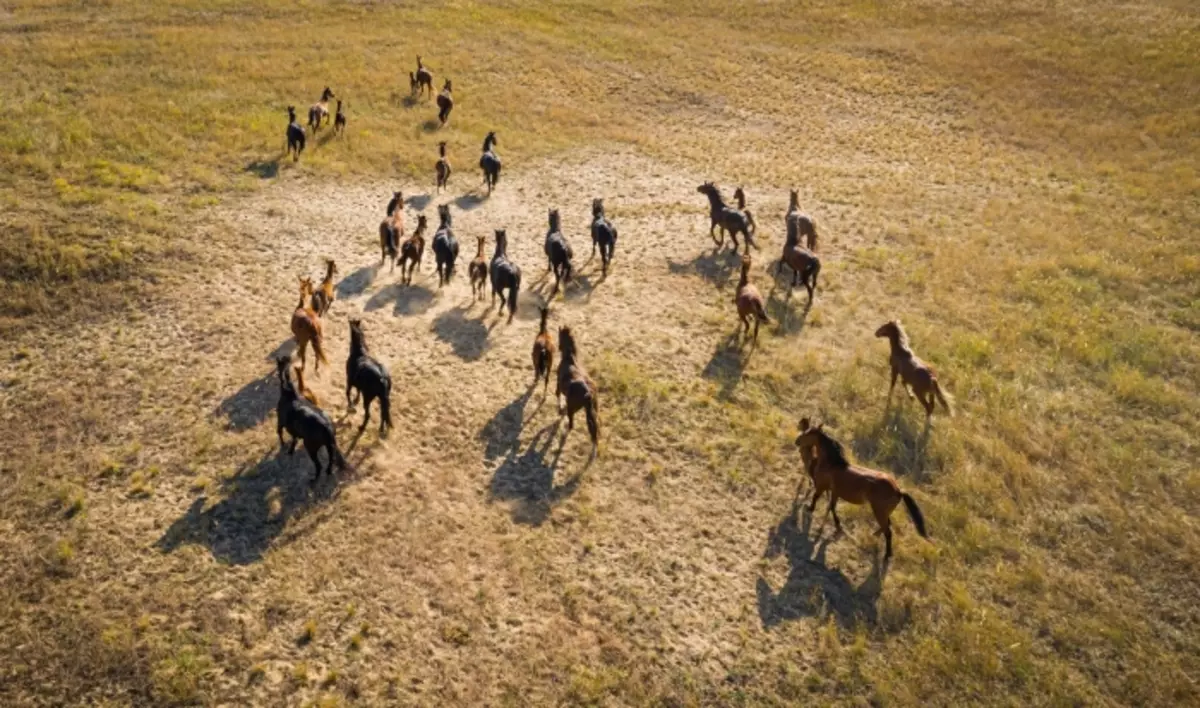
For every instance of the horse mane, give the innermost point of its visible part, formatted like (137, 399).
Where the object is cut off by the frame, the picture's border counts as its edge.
(555, 221)
(832, 450)
(566, 344)
(901, 335)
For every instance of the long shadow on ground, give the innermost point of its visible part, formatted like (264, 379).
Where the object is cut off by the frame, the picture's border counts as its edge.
(727, 365)
(899, 442)
(715, 266)
(406, 299)
(813, 589)
(357, 282)
(467, 337)
(257, 504)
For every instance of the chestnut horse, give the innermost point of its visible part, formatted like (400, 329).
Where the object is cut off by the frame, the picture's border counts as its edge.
(749, 301)
(306, 327)
(543, 352)
(323, 297)
(912, 371)
(831, 471)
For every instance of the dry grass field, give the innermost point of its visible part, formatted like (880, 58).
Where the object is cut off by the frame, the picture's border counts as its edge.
(1018, 181)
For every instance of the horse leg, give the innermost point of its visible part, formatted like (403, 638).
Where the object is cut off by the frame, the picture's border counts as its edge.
(292, 449)
(818, 490)
(892, 388)
(837, 523)
(302, 343)
(314, 454)
(367, 398)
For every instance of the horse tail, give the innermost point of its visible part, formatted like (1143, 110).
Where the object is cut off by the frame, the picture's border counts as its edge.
(942, 397)
(914, 513)
(750, 220)
(336, 454)
(317, 348)
(761, 312)
(385, 402)
(512, 293)
(816, 269)
(593, 420)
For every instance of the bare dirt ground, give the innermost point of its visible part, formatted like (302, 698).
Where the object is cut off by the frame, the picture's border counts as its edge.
(472, 541)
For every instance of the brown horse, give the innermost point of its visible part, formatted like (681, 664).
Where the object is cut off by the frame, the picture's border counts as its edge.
(577, 388)
(478, 270)
(445, 103)
(729, 219)
(913, 372)
(306, 327)
(424, 78)
(413, 250)
(305, 392)
(749, 301)
(800, 223)
(804, 263)
(543, 352)
(831, 471)
(442, 168)
(391, 230)
(319, 111)
(323, 297)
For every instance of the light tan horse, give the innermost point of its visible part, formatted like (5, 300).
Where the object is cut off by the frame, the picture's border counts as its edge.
(749, 301)
(306, 326)
(912, 371)
(832, 471)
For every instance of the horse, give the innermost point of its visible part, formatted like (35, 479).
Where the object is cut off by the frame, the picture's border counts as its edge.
(558, 251)
(305, 392)
(576, 387)
(913, 372)
(445, 103)
(489, 162)
(805, 264)
(295, 135)
(505, 275)
(414, 86)
(320, 110)
(323, 297)
(749, 301)
(543, 352)
(391, 230)
(413, 250)
(832, 471)
(368, 378)
(306, 327)
(445, 247)
(424, 78)
(801, 223)
(604, 235)
(478, 270)
(442, 168)
(304, 421)
(339, 120)
(729, 219)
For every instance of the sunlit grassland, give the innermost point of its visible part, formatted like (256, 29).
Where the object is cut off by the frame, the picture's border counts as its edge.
(1022, 190)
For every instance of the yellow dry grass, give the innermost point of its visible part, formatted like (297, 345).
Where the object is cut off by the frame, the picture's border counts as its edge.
(1017, 182)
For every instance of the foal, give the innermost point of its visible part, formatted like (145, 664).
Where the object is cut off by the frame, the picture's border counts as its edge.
(320, 110)
(445, 246)
(913, 372)
(304, 421)
(445, 103)
(577, 388)
(424, 78)
(729, 219)
(478, 270)
(543, 352)
(558, 251)
(368, 378)
(306, 327)
(295, 135)
(749, 302)
(413, 250)
(604, 234)
(489, 162)
(323, 297)
(442, 168)
(801, 223)
(505, 274)
(832, 471)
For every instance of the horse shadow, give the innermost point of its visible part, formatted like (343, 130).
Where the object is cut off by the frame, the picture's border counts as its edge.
(715, 266)
(781, 310)
(418, 201)
(257, 505)
(431, 125)
(580, 288)
(264, 169)
(405, 299)
(357, 282)
(286, 348)
(467, 337)
(251, 404)
(527, 477)
(409, 101)
(324, 138)
(470, 200)
(726, 365)
(812, 589)
(896, 442)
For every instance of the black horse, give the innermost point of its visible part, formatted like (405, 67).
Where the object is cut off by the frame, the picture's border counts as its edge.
(368, 378)
(558, 251)
(489, 162)
(445, 103)
(304, 421)
(445, 246)
(604, 235)
(729, 219)
(505, 275)
(295, 134)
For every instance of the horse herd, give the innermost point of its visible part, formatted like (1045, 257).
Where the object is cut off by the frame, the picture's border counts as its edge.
(298, 411)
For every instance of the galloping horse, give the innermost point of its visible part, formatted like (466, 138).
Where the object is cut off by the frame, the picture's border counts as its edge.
(306, 327)
(749, 301)
(914, 372)
(577, 388)
(445, 246)
(413, 250)
(368, 378)
(558, 251)
(304, 421)
(505, 274)
(729, 219)
(489, 162)
(604, 235)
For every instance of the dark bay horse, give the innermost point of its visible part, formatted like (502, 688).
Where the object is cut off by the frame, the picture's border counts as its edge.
(368, 378)
(413, 250)
(445, 102)
(558, 251)
(445, 246)
(505, 276)
(800, 223)
(489, 162)
(729, 219)
(805, 264)
(304, 421)
(604, 235)
(577, 388)
(295, 135)
(442, 168)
